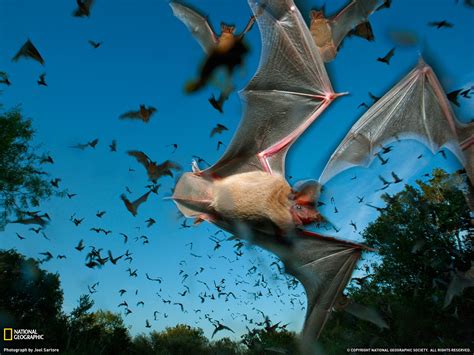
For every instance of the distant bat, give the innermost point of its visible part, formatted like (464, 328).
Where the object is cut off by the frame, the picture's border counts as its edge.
(95, 44)
(83, 8)
(4, 78)
(329, 32)
(387, 57)
(440, 24)
(28, 50)
(132, 207)
(42, 80)
(143, 114)
(219, 128)
(154, 170)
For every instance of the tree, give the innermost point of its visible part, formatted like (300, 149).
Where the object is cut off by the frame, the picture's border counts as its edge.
(30, 297)
(96, 332)
(270, 341)
(424, 240)
(181, 339)
(22, 183)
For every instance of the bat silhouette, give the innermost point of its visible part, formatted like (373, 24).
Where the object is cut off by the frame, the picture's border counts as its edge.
(440, 24)
(154, 170)
(219, 128)
(132, 207)
(245, 192)
(386, 58)
(83, 146)
(28, 50)
(95, 44)
(4, 78)
(83, 8)
(328, 33)
(42, 80)
(144, 114)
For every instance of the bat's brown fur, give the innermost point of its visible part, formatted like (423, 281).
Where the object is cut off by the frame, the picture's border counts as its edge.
(254, 196)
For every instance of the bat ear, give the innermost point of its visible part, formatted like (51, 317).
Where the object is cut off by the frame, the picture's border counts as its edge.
(306, 192)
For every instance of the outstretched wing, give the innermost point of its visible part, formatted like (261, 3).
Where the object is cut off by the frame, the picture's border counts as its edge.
(141, 157)
(197, 24)
(415, 108)
(355, 13)
(289, 91)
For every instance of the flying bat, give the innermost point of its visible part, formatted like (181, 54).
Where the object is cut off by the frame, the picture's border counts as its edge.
(83, 8)
(154, 170)
(4, 78)
(219, 128)
(387, 57)
(132, 207)
(415, 108)
(42, 80)
(223, 50)
(95, 44)
(329, 32)
(246, 193)
(28, 50)
(143, 114)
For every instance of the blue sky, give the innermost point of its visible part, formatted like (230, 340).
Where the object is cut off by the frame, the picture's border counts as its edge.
(146, 57)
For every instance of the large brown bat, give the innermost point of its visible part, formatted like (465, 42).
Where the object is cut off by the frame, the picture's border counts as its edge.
(246, 193)
(329, 32)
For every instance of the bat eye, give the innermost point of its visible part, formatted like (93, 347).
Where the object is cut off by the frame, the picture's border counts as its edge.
(298, 207)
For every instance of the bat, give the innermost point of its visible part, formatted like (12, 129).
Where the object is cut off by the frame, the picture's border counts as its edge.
(144, 114)
(415, 108)
(224, 50)
(28, 50)
(440, 24)
(329, 32)
(42, 80)
(83, 8)
(154, 170)
(132, 207)
(245, 191)
(219, 128)
(95, 44)
(202, 30)
(4, 78)
(386, 58)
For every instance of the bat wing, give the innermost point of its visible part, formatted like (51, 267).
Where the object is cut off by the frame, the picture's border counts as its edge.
(141, 157)
(28, 50)
(131, 115)
(289, 91)
(322, 264)
(415, 108)
(354, 14)
(197, 24)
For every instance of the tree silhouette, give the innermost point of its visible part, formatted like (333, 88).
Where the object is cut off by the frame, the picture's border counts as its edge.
(420, 284)
(22, 182)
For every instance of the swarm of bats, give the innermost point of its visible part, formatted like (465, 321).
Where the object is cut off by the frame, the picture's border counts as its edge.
(245, 192)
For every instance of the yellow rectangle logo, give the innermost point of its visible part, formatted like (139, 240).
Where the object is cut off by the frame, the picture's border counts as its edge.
(7, 334)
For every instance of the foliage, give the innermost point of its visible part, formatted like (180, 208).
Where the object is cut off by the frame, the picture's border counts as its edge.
(30, 297)
(262, 341)
(424, 240)
(22, 183)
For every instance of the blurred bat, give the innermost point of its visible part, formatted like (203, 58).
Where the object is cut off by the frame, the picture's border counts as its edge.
(154, 170)
(386, 58)
(219, 128)
(42, 80)
(95, 44)
(132, 207)
(28, 50)
(144, 114)
(83, 8)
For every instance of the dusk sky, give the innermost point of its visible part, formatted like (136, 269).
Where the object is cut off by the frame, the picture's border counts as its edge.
(146, 57)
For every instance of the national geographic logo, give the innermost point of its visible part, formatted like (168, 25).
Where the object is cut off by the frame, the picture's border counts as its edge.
(10, 334)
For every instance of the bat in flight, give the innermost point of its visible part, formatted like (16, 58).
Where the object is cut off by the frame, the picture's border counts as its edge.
(154, 170)
(143, 114)
(246, 193)
(415, 108)
(28, 50)
(224, 50)
(329, 32)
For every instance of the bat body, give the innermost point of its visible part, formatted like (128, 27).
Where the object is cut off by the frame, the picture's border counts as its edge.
(245, 191)
(28, 50)
(328, 33)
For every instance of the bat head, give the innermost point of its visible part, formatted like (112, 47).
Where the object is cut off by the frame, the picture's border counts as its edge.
(225, 28)
(317, 14)
(303, 202)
